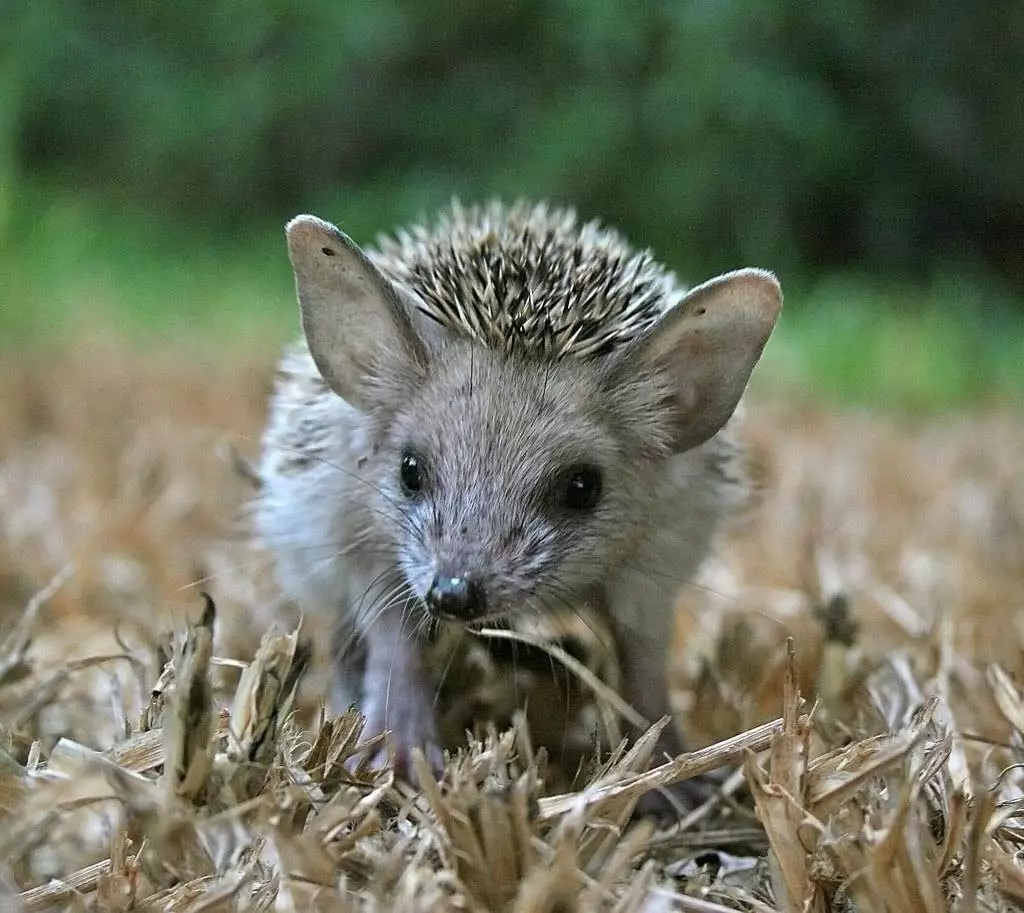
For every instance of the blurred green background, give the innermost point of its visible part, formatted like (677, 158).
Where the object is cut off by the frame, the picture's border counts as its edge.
(150, 155)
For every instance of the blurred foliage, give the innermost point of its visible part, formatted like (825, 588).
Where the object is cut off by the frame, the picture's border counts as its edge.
(75, 267)
(803, 137)
(150, 155)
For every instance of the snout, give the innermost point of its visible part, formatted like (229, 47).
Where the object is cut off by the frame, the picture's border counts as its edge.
(460, 598)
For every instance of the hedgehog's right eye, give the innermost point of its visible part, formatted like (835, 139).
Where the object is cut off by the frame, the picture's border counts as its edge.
(411, 474)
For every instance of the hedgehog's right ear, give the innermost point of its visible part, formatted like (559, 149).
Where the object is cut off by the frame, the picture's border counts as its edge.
(359, 330)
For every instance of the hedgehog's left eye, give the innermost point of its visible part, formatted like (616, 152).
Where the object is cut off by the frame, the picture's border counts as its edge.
(580, 487)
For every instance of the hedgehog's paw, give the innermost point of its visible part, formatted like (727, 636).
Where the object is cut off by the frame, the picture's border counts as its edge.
(402, 755)
(669, 805)
(409, 720)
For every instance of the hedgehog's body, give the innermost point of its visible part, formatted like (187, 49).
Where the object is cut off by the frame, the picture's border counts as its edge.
(501, 413)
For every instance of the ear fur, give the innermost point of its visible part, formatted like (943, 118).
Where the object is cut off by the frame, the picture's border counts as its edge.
(707, 347)
(353, 318)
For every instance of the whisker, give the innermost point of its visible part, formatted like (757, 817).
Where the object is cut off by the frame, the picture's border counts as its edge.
(325, 462)
(261, 562)
(402, 619)
(448, 666)
(364, 619)
(397, 517)
(681, 582)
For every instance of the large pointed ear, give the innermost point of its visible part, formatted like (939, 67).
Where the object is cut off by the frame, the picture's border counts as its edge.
(707, 347)
(356, 326)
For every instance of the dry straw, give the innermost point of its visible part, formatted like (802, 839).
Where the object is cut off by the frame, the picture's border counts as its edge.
(851, 668)
(214, 800)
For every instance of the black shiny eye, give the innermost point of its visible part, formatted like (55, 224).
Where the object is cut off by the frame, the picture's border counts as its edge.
(581, 487)
(411, 474)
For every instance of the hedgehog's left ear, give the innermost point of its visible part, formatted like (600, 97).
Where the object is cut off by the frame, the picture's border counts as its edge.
(706, 347)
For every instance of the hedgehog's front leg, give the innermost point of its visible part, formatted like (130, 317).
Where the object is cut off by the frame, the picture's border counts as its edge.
(397, 695)
(646, 617)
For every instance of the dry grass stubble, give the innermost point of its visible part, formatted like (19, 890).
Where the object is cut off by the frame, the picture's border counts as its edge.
(879, 577)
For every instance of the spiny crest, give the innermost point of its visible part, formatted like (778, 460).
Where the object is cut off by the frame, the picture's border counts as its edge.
(529, 279)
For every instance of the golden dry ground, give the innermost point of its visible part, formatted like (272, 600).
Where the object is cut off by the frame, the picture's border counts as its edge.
(879, 576)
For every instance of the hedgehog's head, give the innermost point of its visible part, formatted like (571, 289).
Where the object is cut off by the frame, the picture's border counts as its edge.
(506, 481)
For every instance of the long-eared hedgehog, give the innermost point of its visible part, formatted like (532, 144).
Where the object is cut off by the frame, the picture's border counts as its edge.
(503, 411)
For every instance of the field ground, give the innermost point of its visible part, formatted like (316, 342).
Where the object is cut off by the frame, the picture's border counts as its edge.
(116, 457)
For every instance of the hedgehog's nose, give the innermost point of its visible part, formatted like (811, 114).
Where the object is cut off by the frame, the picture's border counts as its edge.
(461, 597)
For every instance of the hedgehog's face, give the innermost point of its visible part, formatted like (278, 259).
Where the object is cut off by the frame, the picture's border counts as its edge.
(510, 485)
(506, 483)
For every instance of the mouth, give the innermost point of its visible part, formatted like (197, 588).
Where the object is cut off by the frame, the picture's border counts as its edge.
(478, 621)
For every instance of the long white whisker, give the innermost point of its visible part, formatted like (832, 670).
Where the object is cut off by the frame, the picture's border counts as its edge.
(328, 463)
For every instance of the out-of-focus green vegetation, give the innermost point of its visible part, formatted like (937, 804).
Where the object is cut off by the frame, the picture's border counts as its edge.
(74, 266)
(150, 154)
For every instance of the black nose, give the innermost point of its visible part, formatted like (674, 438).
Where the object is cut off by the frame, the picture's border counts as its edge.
(456, 597)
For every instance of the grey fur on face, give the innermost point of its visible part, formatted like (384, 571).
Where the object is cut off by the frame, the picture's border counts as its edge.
(497, 505)
(503, 412)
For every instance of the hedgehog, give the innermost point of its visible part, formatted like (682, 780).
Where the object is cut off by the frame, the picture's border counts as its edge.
(499, 415)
